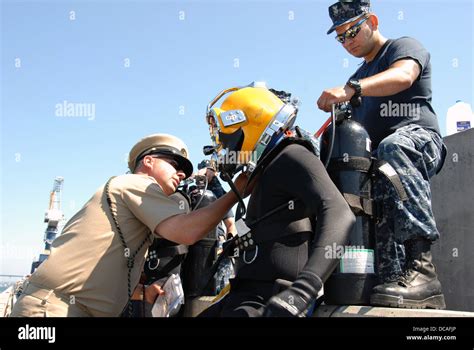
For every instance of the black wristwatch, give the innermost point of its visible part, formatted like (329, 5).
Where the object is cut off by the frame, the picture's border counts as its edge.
(356, 99)
(355, 84)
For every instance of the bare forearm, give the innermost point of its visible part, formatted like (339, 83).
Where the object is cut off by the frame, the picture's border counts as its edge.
(189, 228)
(387, 83)
(230, 226)
(400, 76)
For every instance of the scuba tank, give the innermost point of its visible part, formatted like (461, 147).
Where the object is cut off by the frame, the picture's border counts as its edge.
(346, 149)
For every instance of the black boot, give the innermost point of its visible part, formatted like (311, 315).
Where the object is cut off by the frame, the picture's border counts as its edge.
(418, 287)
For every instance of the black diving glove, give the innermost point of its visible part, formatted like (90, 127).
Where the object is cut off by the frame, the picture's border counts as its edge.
(296, 300)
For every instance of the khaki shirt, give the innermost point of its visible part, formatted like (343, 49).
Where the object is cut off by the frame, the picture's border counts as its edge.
(87, 260)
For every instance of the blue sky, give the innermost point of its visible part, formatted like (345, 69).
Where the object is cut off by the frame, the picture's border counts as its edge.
(153, 66)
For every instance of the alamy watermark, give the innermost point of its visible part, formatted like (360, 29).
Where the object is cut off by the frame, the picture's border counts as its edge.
(37, 333)
(335, 251)
(395, 109)
(75, 110)
(237, 157)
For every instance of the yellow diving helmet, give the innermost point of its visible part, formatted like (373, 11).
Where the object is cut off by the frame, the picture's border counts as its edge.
(246, 123)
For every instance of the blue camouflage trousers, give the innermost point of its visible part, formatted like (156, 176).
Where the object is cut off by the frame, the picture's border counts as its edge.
(416, 154)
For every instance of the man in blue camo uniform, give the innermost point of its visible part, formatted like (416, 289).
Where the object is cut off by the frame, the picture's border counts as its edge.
(394, 85)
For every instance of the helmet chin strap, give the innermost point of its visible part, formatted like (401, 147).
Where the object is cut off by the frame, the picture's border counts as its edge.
(241, 209)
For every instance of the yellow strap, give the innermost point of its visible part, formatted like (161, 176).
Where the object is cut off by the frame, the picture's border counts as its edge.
(222, 293)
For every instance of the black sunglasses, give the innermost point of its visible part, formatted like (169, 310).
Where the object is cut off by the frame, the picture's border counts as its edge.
(170, 161)
(351, 32)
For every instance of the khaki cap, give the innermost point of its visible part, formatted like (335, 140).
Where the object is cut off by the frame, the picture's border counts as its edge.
(161, 144)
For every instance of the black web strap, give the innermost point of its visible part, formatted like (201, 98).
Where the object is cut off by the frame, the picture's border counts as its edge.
(358, 204)
(351, 163)
(179, 249)
(386, 170)
(170, 266)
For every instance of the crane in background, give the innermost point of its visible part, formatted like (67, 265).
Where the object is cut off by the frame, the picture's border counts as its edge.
(54, 217)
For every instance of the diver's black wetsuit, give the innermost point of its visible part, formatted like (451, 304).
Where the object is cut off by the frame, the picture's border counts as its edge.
(297, 174)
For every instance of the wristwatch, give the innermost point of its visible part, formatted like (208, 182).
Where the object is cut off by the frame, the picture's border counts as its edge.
(355, 84)
(356, 99)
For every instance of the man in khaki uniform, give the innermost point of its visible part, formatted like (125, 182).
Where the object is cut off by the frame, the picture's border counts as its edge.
(86, 273)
